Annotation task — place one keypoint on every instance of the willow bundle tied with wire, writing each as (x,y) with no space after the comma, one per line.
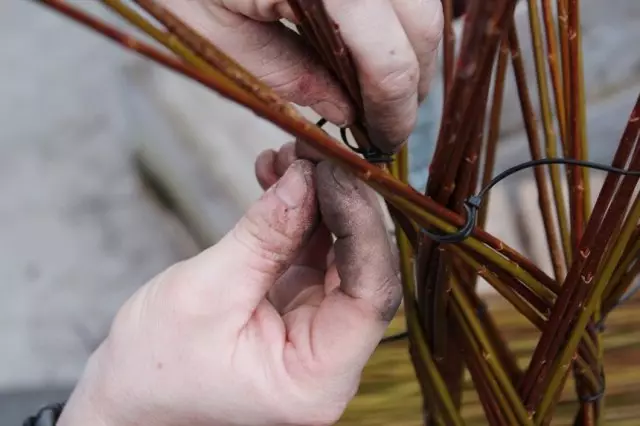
(594,251)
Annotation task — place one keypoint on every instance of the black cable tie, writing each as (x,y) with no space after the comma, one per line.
(473,203)
(471,206)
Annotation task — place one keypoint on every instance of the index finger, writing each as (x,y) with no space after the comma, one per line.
(352,319)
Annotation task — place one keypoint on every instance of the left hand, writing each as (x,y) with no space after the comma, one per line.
(393,44)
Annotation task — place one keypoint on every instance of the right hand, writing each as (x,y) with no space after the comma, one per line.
(393,44)
(271,326)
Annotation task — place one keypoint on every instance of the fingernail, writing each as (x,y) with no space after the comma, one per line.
(332,112)
(292,187)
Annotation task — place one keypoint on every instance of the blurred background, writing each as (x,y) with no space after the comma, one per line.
(93,139)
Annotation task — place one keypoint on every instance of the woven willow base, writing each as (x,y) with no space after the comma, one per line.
(389,394)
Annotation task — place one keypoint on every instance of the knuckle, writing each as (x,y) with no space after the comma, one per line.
(432,33)
(390,297)
(266,242)
(392,102)
(397,82)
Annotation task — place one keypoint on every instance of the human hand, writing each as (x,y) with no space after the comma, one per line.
(264,328)
(393,44)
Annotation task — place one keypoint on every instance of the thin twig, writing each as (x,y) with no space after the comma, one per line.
(528,115)
(449,45)
(592,248)
(494,127)
(549,132)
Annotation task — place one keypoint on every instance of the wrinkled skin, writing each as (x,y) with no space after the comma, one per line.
(271,326)
(393,43)
(274,324)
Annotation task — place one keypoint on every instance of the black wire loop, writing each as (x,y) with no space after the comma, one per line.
(373,154)
(472,206)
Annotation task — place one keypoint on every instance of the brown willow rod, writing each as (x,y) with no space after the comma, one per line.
(425,367)
(497,409)
(465,185)
(167,39)
(512,398)
(129,42)
(438,327)
(627,140)
(323,35)
(527,308)
(624,276)
(577,298)
(617,296)
(431,383)
(484,26)
(423,210)
(528,115)
(449,46)
(209,53)
(466,179)
(504,353)
(315,38)
(399,169)
(588,371)
(593,244)
(549,132)
(456,135)
(631,254)
(469,79)
(492,411)
(553,60)
(575,48)
(493,133)
(318,27)
(573,280)
(577,185)
(562,362)
(563,33)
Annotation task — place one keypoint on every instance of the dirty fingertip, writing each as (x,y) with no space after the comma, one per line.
(296,184)
(336,179)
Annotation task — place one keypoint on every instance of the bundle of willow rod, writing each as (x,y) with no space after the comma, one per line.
(594,253)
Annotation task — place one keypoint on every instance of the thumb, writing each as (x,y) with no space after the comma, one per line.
(244,265)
